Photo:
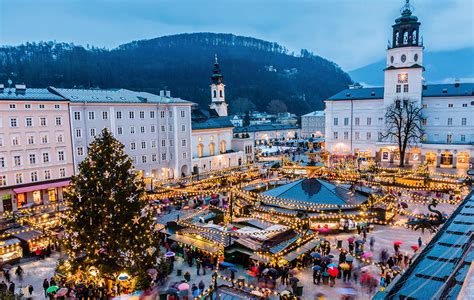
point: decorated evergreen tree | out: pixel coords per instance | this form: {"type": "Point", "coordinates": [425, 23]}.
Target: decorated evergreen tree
{"type": "Point", "coordinates": [109, 225]}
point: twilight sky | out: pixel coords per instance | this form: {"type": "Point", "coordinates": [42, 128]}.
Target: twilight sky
{"type": "Point", "coordinates": [352, 33]}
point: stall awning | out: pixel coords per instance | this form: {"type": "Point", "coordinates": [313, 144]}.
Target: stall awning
{"type": "Point", "coordinates": [203, 245]}
{"type": "Point", "coordinates": [44, 186]}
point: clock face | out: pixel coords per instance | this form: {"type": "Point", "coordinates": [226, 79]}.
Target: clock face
{"type": "Point", "coordinates": [416, 57]}
{"type": "Point", "coordinates": [404, 58]}
{"type": "Point", "coordinates": [392, 59]}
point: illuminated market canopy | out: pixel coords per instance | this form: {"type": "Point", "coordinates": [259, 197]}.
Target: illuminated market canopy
{"type": "Point", "coordinates": [316, 191]}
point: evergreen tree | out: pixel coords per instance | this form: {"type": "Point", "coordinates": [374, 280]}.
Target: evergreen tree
{"type": "Point", "coordinates": [109, 225]}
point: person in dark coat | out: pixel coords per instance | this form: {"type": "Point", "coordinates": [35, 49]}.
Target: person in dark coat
{"type": "Point", "coordinates": [11, 288]}
{"type": "Point", "coordinates": [201, 285]}
{"type": "Point", "coordinates": [45, 286]}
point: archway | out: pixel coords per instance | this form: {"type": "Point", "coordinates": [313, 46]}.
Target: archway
{"type": "Point", "coordinates": [462, 160]}
{"type": "Point", "coordinates": [430, 158]}
{"type": "Point", "coordinates": [211, 149]}
{"type": "Point", "coordinates": [223, 147]}
{"type": "Point", "coordinates": [200, 150]}
{"type": "Point", "coordinates": [184, 170]}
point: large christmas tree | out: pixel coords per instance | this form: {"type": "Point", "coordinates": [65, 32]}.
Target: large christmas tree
{"type": "Point", "coordinates": [109, 225]}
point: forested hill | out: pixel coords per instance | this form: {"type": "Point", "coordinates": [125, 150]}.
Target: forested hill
{"type": "Point", "coordinates": [255, 71]}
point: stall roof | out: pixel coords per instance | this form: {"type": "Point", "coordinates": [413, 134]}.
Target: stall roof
{"type": "Point", "coordinates": [200, 244]}
{"type": "Point", "coordinates": [9, 242]}
{"type": "Point", "coordinates": [300, 250]}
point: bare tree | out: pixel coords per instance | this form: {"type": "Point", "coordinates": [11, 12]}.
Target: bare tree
{"type": "Point", "coordinates": [276, 106]}
{"type": "Point", "coordinates": [403, 125]}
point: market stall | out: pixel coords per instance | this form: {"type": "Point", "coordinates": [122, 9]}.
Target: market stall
{"type": "Point", "coordinates": [10, 250]}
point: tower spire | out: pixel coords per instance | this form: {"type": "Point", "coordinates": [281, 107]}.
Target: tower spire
{"type": "Point", "coordinates": [215, 58]}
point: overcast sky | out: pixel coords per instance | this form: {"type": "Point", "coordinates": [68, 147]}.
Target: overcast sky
{"type": "Point", "coordinates": [352, 33]}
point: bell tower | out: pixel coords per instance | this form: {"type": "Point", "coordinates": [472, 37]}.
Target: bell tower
{"type": "Point", "coordinates": [404, 69]}
{"type": "Point", "coordinates": [218, 91]}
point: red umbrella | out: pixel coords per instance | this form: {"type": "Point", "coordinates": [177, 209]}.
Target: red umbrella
{"type": "Point", "coordinates": [367, 254]}
{"type": "Point", "coordinates": [414, 247]}
{"type": "Point", "coordinates": [251, 274]}
{"type": "Point", "coordinates": [333, 271]}
{"type": "Point", "coordinates": [398, 243]}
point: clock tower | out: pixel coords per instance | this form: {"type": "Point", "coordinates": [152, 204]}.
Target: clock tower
{"type": "Point", "coordinates": [218, 91]}
{"type": "Point", "coordinates": [404, 71]}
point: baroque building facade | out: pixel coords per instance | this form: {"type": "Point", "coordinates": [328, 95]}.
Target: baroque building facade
{"type": "Point", "coordinates": [355, 123]}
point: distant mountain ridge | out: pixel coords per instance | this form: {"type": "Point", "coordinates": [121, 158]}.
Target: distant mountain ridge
{"type": "Point", "coordinates": [440, 67]}
{"type": "Point", "coordinates": [255, 71]}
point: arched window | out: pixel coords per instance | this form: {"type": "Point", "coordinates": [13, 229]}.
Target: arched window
{"type": "Point", "coordinates": [397, 38]}
{"type": "Point", "coordinates": [211, 149]}
{"type": "Point", "coordinates": [223, 147]}
{"type": "Point", "coordinates": [413, 37]}
{"type": "Point", "coordinates": [405, 38]}
{"type": "Point", "coordinates": [221, 94]}
{"type": "Point", "coordinates": [200, 150]}
{"type": "Point", "coordinates": [215, 94]}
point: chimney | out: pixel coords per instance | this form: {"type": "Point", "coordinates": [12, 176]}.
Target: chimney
{"type": "Point", "coordinates": [457, 82]}
{"type": "Point", "coordinates": [2, 87]}
{"type": "Point", "coordinates": [162, 93]}
{"type": "Point", "coordinates": [168, 94]}
{"type": "Point", "coordinates": [20, 86]}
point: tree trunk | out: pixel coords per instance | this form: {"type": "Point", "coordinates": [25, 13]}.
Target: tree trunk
{"type": "Point", "coordinates": [402, 159]}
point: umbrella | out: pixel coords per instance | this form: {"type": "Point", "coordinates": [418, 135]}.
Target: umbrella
{"type": "Point", "coordinates": [169, 254]}
{"type": "Point", "coordinates": [272, 271]}
{"type": "Point", "coordinates": [251, 274]}
{"type": "Point", "coordinates": [414, 247]}
{"type": "Point", "coordinates": [265, 271]}
{"type": "Point", "coordinates": [333, 271]}
{"type": "Point", "coordinates": [7, 267]}
{"type": "Point", "coordinates": [359, 241]}
{"type": "Point", "coordinates": [183, 286]}
{"type": "Point", "coordinates": [329, 256]}
{"type": "Point", "coordinates": [196, 293]}
{"type": "Point", "coordinates": [349, 259]}
{"type": "Point", "coordinates": [80, 286]}
{"type": "Point", "coordinates": [404, 205]}
{"type": "Point", "coordinates": [52, 289]}
{"type": "Point", "coordinates": [294, 279]}
{"type": "Point", "coordinates": [315, 255]}
{"type": "Point", "coordinates": [346, 291]}
{"type": "Point", "coordinates": [285, 293]}
{"type": "Point", "coordinates": [152, 271]}
{"type": "Point", "coordinates": [61, 292]}
{"type": "Point", "coordinates": [123, 277]}
{"type": "Point", "coordinates": [345, 266]}
{"type": "Point", "coordinates": [367, 255]}
{"type": "Point", "coordinates": [317, 268]}
{"type": "Point", "coordinates": [172, 291]}
{"type": "Point", "coordinates": [398, 243]}
{"type": "Point", "coordinates": [226, 264]}
{"type": "Point", "coordinates": [232, 269]}
{"type": "Point", "coordinates": [396, 268]}
{"type": "Point", "coordinates": [332, 265]}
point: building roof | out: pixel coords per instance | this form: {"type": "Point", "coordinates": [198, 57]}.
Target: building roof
{"type": "Point", "coordinates": [314, 191]}
{"type": "Point", "coordinates": [317, 113]}
{"type": "Point", "coordinates": [359, 94]}
{"type": "Point", "coordinates": [113, 96]}
{"type": "Point", "coordinates": [264, 127]}
{"type": "Point", "coordinates": [441, 268]}
{"type": "Point", "coordinates": [219, 122]}
{"type": "Point", "coordinates": [29, 94]}
{"type": "Point", "coordinates": [429, 90]}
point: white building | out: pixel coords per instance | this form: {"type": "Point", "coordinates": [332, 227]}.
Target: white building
{"type": "Point", "coordinates": [268, 133]}
{"type": "Point", "coordinates": [212, 136]}
{"type": "Point", "coordinates": [313, 124]}
{"type": "Point", "coordinates": [355, 116]}
{"type": "Point", "coordinates": [155, 130]}
{"type": "Point", "coordinates": [36, 161]}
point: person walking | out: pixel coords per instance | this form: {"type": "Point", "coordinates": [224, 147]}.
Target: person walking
{"type": "Point", "coordinates": [420, 242]}
{"type": "Point", "coordinates": [19, 273]}
{"type": "Point", "coordinates": [198, 266]}
{"type": "Point", "coordinates": [11, 288]}
{"type": "Point", "coordinates": [372, 243]}
{"type": "Point", "coordinates": [45, 286]}
{"type": "Point", "coordinates": [201, 285]}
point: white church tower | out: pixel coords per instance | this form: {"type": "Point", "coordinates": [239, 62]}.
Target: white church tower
{"type": "Point", "coordinates": [218, 91]}
{"type": "Point", "coordinates": [404, 71]}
